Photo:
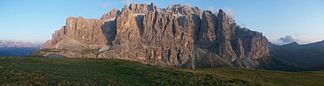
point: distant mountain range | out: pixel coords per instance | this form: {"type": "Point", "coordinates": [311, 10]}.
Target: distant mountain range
{"type": "Point", "coordinates": [296, 57]}
{"type": "Point", "coordinates": [17, 48]}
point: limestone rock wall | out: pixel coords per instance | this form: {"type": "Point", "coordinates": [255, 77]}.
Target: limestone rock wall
{"type": "Point", "coordinates": [182, 36]}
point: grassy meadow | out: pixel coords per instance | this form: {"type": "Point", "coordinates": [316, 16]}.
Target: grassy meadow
{"type": "Point", "coordinates": [33, 71]}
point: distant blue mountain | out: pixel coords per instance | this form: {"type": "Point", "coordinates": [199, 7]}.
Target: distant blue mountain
{"type": "Point", "coordinates": [298, 57]}
{"type": "Point", "coordinates": [17, 48]}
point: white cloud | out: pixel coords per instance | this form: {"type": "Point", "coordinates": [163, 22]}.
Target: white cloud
{"type": "Point", "coordinates": [300, 39]}
{"type": "Point", "coordinates": [229, 12]}
{"type": "Point", "coordinates": [127, 2]}
{"type": "Point", "coordinates": [104, 5]}
{"type": "Point", "coordinates": [288, 39]}
{"type": "Point", "coordinates": [212, 9]}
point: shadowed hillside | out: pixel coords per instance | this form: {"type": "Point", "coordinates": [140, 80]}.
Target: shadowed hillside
{"type": "Point", "coordinates": [298, 57]}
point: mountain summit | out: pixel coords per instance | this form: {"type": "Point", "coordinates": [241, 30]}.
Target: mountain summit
{"type": "Point", "coordinates": [181, 36]}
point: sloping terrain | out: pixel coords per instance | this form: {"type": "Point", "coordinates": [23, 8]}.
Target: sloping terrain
{"type": "Point", "coordinates": [62, 71]}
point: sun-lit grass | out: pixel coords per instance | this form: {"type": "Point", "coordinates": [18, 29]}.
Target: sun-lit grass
{"type": "Point", "coordinates": [62, 71]}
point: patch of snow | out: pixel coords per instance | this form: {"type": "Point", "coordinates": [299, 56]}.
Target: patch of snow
{"type": "Point", "coordinates": [137, 14]}
{"type": "Point", "coordinates": [105, 48]}
{"type": "Point", "coordinates": [179, 15]}
{"type": "Point", "coordinates": [159, 10]}
{"type": "Point", "coordinates": [111, 19]}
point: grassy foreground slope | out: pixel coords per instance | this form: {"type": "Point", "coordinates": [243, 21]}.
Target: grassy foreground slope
{"type": "Point", "coordinates": [61, 71]}
{"type": "Point", "coordinates": [270, 77]}
{"type": "Point", "coordinates": [103, 72]}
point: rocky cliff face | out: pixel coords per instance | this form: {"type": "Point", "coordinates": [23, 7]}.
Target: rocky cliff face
{"type": "Point", "coordinates": [178, 35]}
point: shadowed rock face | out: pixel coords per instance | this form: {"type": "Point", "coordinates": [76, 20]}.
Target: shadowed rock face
{"type": "Point", "coordinates": [178, 35]}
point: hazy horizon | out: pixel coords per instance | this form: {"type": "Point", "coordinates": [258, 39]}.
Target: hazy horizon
{"type": "Point", "coordinates": [280, 21]}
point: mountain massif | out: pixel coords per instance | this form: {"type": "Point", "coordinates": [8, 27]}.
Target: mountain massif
{"type": "Point", "coordinates": [181, 36]}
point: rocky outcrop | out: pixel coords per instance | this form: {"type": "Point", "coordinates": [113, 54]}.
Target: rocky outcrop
{"type": "Point", "coordinates": [178, 35]}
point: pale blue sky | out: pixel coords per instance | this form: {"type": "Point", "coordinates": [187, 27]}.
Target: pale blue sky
{"type": "Point", "coordinates": [36, 20]}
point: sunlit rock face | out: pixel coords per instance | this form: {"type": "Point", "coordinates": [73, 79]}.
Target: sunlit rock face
{"type": "Point", "coordinates": [181, 36]}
